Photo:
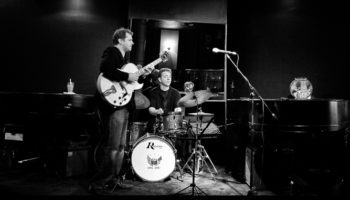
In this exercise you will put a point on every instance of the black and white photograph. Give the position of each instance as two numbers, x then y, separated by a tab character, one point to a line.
149	98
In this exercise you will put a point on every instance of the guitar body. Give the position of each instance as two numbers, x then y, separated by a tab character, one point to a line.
132	68
119	93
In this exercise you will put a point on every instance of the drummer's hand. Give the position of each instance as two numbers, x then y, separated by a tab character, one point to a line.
177	109
160	111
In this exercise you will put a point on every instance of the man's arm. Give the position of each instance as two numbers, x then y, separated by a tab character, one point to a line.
153	111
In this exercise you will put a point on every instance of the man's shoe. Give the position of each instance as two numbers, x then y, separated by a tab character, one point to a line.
98	190
120	185
124	186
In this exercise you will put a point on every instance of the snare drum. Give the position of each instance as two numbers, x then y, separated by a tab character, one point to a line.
172	121
153	158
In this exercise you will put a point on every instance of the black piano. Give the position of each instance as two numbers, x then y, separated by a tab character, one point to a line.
297	143
323	115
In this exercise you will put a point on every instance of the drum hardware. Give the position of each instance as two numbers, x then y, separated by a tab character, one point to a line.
196	154
158	125
202	154
178	167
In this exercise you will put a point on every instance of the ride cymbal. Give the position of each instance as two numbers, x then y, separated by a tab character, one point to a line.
192	99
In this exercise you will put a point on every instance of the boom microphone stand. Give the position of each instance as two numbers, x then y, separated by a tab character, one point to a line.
254	92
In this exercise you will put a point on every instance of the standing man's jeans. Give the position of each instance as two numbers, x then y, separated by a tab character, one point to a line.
115	126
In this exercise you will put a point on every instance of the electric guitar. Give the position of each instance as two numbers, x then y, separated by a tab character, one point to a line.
119	93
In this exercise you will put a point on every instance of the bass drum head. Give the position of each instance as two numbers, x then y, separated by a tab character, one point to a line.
153	158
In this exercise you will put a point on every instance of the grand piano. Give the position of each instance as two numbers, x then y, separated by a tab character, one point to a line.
303	142
323	115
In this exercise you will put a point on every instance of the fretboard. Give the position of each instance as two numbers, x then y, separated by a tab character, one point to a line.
150	65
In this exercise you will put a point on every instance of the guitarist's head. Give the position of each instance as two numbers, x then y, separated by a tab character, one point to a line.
122	39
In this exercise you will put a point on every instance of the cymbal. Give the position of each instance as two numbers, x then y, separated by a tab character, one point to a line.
192	99
141	101
201	114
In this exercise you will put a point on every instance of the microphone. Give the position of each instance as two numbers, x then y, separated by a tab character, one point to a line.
216	50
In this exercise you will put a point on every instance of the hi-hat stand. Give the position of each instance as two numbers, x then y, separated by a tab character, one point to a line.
195	153
195	188
201	154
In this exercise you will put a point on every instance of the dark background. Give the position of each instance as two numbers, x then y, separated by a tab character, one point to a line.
43	44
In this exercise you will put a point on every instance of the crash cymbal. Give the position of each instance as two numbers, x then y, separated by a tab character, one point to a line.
192	99
141	101
201	114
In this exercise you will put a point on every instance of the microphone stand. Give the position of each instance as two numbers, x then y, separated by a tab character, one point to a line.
254	92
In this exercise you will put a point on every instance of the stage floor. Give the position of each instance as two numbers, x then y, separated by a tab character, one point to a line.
41	182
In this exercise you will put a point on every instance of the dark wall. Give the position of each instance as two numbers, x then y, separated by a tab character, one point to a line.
203	11
278	40
44	43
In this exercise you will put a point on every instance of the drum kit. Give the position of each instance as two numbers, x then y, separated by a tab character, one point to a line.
153	156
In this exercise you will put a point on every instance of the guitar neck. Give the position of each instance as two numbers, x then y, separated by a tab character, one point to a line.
150	65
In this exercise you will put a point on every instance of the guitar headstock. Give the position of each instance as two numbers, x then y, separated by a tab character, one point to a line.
164	55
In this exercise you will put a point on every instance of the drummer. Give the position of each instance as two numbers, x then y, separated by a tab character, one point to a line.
163	99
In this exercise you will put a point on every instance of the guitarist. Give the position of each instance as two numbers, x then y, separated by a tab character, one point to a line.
114	120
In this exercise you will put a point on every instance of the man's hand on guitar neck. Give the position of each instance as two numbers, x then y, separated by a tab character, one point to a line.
145	71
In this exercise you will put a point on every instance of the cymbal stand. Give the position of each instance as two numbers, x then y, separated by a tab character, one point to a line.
195	188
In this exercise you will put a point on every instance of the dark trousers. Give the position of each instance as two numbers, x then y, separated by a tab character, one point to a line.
115	127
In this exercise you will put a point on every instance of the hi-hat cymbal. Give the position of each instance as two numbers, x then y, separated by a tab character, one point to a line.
201	114
192	99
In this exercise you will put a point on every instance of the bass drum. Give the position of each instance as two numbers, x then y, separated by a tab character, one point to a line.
153	158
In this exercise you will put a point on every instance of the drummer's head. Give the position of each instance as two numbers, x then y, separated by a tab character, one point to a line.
164	76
